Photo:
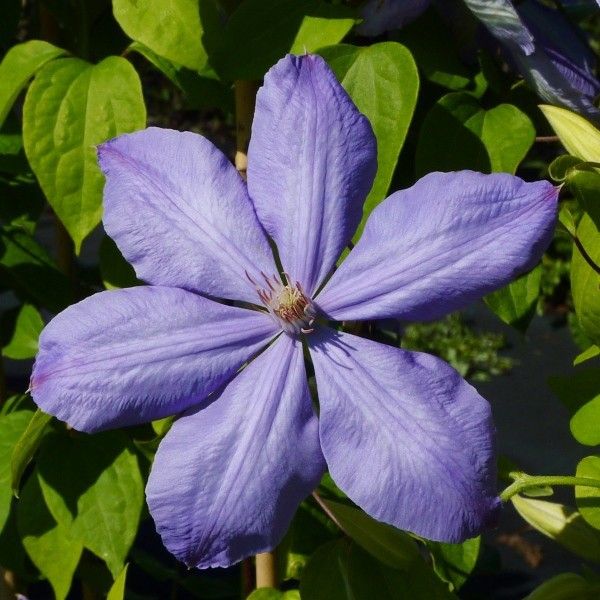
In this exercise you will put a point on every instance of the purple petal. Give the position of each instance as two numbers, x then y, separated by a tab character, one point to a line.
228	478
503	21
130	356
380	16
440	245
564	44
181	215
311	164
405	437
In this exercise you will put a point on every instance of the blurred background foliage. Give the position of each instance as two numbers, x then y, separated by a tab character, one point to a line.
441	94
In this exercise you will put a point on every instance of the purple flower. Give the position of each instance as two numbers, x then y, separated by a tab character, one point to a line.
401	432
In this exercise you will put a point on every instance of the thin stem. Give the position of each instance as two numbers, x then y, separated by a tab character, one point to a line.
547	138
266	570
525	482
328	512
245	97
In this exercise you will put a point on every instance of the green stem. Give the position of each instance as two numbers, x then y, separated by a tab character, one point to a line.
525	482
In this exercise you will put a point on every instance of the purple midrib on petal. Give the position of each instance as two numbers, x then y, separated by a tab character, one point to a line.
204	227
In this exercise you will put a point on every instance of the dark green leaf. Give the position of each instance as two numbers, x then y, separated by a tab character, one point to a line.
262	31
101	498
342	570
28	269
515	304
560	167
70	107
48	544
455	562
566	586
201	91
581	395
273	594
391	546
383	82
492	140
115	270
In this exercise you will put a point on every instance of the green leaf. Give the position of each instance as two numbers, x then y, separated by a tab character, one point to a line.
27	446
383	82
579	137
585	281
273	594
580	393
117	590
561	523
588	498
93	486
560	167
70	107
201	91
26	267
455	562
262	31
49	545
116	272
515	304
24	341
587	354
11	428
386	543
18	66
494	140
566	586
171	28
342	570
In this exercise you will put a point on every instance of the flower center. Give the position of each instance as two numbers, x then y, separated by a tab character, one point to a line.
287	304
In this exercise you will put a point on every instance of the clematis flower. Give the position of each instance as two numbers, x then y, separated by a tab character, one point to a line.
401	432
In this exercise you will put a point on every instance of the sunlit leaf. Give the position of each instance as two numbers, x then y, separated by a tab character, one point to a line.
117	590
588	498
70	107
11	428
587	354
48	544
100	501
561	523
585	281
171	28
579	137
24	341
27	445
18	66
383	82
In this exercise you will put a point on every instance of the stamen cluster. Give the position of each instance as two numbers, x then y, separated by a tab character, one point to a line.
287	303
